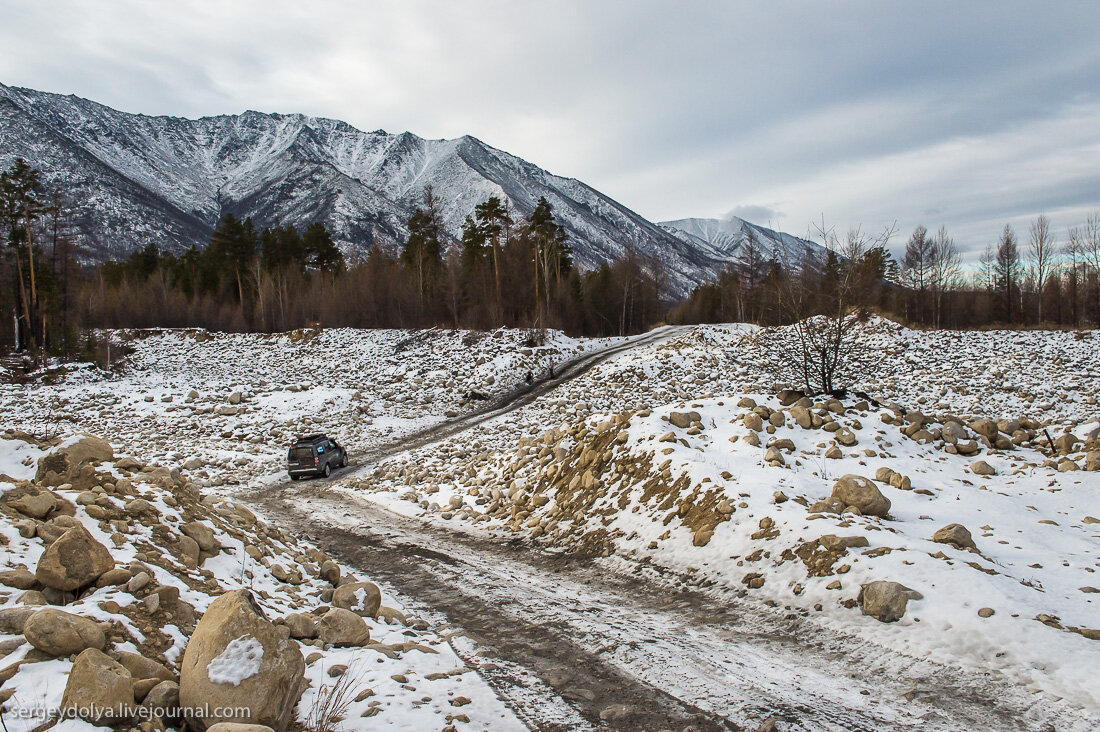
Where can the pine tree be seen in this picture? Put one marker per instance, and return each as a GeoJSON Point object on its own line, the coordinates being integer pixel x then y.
{"type": "Point", "coordinates": [321, 252]}
{"type": "Point", "coordinates": [1006, 270]}
{"type": "Point", "coordinates": [20, 191]}
{"type": "Point", "coordinates": [423, 251]}
{"type": "Point", "coordinates": [493, 220]}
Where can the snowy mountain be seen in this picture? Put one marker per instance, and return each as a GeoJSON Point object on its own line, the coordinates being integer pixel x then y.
{"type": "Point", "coordinates": [134, 179]}
{"type": "Point", "coordinates": [724, 239]}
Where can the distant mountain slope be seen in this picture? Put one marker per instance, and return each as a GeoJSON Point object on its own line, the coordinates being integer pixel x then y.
{"type": "Point", "coordinates": [136, 179]}
{"type": "Point", "coordinates": [724, 239]}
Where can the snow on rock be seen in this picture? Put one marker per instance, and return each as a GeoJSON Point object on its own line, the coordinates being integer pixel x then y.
{"type": "Point", "coordinates": [240, 660]}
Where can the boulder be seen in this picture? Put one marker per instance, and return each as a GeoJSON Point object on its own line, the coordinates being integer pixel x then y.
{"type": "Point", "coordinates": [99, 689]}
{"type": "Point", "coordinates": [1092, 461]}
{"type": "Point", "coordinates": [981, 467]}
{"type": "Point", "coordinates": [75, 560]}
{"type": "Point", "coordinates": [203, 536]}
{"type": "Point", "coordinates": [753, 422]}
{"type": "Point", "coordinates": [20, 579]}
{"type": "Point", "coordinates": [683, 420]}
{"type": "Point", "coordinates": [885, 601]}
{"type": "Point", "coordinates": [788, 397]}
{"type": "Point", "coordinates": [238, 661]}
{"type": "Point", "coordinates": [58, 633]}
{"type": "Point", "coordinates": [883, 475]}
{"type": "Point", "coordinates": [846, 438]}
{"type": "Point", "coordinates": [956, 535]}
{"type": "Point", "coordinates": [302, 625]}
{"type": "Point", "coordinates": [73, 453]}
{"type": "Point", "coordinates": [362, 598]}
{"type": "Point", "coordinates": [985, 427]}
{"type": "Point", "coordinates": [1066, 443]}
{"type": "Point", "coordinates": [165, 697]}
{"type": "Point", "coordinates": [238, 727]}
{"type": "Point", "coordinates": [952, 432]}
{"type": "Point", "coordinates": [967, 447]}
{"type": "Point", "coordinates": [855, 490]}
{"type": "Point", "coordinates": [32, 501]}
{"type": "Point", "coordinates": [141, 667]}
{"type": "Point", "coordinates": [802, 417]}
{"type": "Point", "coordinates": [342, 627]}
{"type": "Point", "coordinates": [13, 619]}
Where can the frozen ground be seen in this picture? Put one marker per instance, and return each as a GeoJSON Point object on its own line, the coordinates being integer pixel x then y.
{"type": "Point", "coordinates": [1033, 523]}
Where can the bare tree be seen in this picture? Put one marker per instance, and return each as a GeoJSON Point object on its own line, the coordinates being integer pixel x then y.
{"type": "Point", "coordinates": [1072, 253]}
{"type": "Point", "coordinates": [915, 265]}
{"type": "Point", "coordinates": [820, 348]}
{"type": "Point", "coordinates": [1040, 256]}
{"type": "Point", "coordinates": [943, 270]}
{"type": "Point", "coordinates": [1090, 253]}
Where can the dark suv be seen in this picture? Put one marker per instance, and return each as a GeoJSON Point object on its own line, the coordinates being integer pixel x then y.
{"type": "Point", "coordinates": [315, 455]}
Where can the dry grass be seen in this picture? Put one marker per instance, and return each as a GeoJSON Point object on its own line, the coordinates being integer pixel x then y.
{"type": "Point", "coordinates": [332, 701]}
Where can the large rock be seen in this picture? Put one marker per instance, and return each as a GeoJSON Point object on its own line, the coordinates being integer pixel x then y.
{"type": "Point", "coordinates": [802, 417]}
{"type": "Point", "coordinates": [885, 601]}
{"type": "Point", "coordinates": [165, 699]}
{"type": "Point", "coordinates": [203, 536]}
{"type": "Point", "coordinates": [58, 633]}
{"type": "Point", "coordinates": [141, 667]}
{"type": "Point", "coordinates": [855, 490]}
{"type": "Point", "coordinates": [362, 598]}
{"type": "Point", "coordinates": [342, 627]}
{"type": "Point", "coordinates": [953, 432]}
{"type": "Point", "coordinates": [1066, 443]}
{"type": "Point", "coordinates": [1092, 461]}
{"type": "Point", "coordinates": [32, 501]}
{"type": "Point", "coordinates": [236, 727]}
{"type": "Point", "coordinates": [956, 535]}
{"type": "Point", "coordinates": [19, 578]}
{"type": "Point", "coordinates": [238, 661]}
{"type": "Point", "coordinates": [75, 560]}
{"type": "Point", "coordinates": [13, 619]}
{"type": "Point", "coordinates": [683, 420]}
{"type": "Point", "coordinates": [99, 689]}
{"type": "Point", "coordinates": [788, 397]}
{"type": "Point", "coordinates": [302, 625]}
{"type": "Point", "coordinates": [981, 467]}
{"type": "Point", "coordinates": [73, 453]}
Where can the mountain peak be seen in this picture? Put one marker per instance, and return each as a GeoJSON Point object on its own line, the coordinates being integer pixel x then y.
{"type": "Point", "coordinates": [134, 179]}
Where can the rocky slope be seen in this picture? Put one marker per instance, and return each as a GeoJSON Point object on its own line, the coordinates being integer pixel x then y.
{"type": "Point", "coordinates": [131, 597]}
{"type": "Point", "coordinates": [135, 179]}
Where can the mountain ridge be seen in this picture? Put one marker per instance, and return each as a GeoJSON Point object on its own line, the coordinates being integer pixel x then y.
{"type": "Point", "coordinates": [135, 178]}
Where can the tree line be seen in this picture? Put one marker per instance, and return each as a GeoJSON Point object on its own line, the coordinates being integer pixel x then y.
{"type": "Point", "coordinates": [1038, 282]}
{"type": "Point", "coordinates": [503, 269]}
{"type": "Point", "coordinates": [506, 270]}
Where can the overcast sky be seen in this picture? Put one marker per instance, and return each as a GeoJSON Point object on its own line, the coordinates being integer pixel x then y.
{"type": "Point", "coordinates": [964, 114]}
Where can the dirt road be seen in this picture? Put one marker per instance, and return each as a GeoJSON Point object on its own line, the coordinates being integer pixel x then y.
{"type": "Point", "coordinates": [570, 644]}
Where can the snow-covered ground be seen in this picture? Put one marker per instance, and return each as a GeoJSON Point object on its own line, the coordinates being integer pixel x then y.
{"type": "Point", "coordinates": [596, 466]}
{"type": "Point", "coordinates": [408, 677]}
{"type": "Point", "coordinates": [232, 403]}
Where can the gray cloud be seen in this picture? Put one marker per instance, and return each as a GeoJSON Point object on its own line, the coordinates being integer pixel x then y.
{"type": "Point", "coordinates": [967, 115]}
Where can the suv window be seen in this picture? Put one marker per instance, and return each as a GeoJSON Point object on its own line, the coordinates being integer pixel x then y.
{"type": "Point", "coordinates": [301, 453]}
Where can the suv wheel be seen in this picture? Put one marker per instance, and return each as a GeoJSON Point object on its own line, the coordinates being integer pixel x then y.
{"type": "Point", "coordinates": [326, 470]}
{"type": "Point", "coordinates": [344, 460]}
